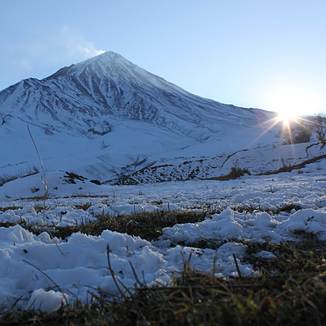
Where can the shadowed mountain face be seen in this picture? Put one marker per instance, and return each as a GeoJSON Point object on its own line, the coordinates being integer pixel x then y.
{"type": "Point", "coordinates": [89, 98]}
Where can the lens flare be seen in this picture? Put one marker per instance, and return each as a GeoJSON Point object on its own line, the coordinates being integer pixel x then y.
{"type": "Point", "coordinates": [287, 118]}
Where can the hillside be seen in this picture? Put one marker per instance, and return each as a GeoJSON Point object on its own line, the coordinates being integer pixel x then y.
{"type": "Point", "coordinates": [104, 113]}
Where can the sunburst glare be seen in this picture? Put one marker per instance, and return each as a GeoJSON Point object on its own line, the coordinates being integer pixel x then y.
{"type": "Point", "coordinates": [291, 102]}
{"type": "Point", "coordinates": [287, 117]}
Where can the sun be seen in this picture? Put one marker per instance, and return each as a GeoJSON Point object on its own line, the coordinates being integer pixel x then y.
{"type": "Point", "coordinates": [287, 117]}
{"type": "Point", "coordinates": [292, 102]}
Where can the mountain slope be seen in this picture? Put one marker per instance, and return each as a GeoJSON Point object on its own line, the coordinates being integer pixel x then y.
{"type": "Point", "coordinates": [105, 115]}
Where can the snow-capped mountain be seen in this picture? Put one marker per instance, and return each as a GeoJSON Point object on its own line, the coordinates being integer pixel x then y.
{"type": "Point", "coordinates": [87, 98]}
{"type": "Point", "coordinates": [105, 116]}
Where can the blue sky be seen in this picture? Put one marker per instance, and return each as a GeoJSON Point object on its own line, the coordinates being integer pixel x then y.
{"type": "Point", "coordinates": [253, 53]}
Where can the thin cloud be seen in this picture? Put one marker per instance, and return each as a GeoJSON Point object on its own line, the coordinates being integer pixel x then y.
{"type": "Point", "coordinates": [76, 46]}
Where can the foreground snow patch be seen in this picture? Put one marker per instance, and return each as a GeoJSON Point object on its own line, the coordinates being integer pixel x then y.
{"type": "Point", "coordinates": [78, 266]}
{"type": "Point", "coordinates": [258, 226]}
{"type": "Point", "coordinates": [44, 273]}
{"type": "Point", "coordinates": [220, 261]}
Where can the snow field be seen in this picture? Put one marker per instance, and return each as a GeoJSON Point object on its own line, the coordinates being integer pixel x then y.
{"type": "Point", "coordinates": [44, 273]}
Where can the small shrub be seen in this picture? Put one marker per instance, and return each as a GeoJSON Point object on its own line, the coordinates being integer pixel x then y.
{"type": "Point", "coordinates": [235, 173]}
{"type": "Point", "coordinates": [84, 206]}
{"type": "Point", "coordinates": [35, 189]}
{"type": "Point", "coordinates": [40, 208]}
{"type": "Point", "coordinates": [126, 180]}
{"type": "Point", "coordinates": [97, 182]}
{"type": "Point", "coordinates": [298, 135]}
{"type": "Point", "coordinates": [71, 177]}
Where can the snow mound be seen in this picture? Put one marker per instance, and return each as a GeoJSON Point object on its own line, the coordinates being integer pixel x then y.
{"type": "Point", "coordinates": [45, 273]}
{"type": "Point", "coordinates": [47, 301]}
{"type": "Point", "coordinates": [259, 226]}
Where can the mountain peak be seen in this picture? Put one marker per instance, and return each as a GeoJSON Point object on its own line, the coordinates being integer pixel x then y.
{"type": "Point", "coordinates": [109, 55]}
{"type": "Point", "coordinates": [105, 64]}
{"type": "Point", "coordinates": [108, 58]}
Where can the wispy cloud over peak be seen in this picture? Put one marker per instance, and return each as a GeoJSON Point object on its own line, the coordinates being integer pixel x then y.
{"type": "Point", "coordinates": [76, 46]}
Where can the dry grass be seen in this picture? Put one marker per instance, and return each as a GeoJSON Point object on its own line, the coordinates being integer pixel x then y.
{"type": "Point", "coordinates": [8, 208]}
{"type": "Point", "coordinates": [147, 225]}
{"type": "Point", "coordinates": [84, 206]}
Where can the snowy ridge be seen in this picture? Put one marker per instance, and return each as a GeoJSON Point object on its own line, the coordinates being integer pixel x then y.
{"type": "Point", "coordinates": [271, 158]}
